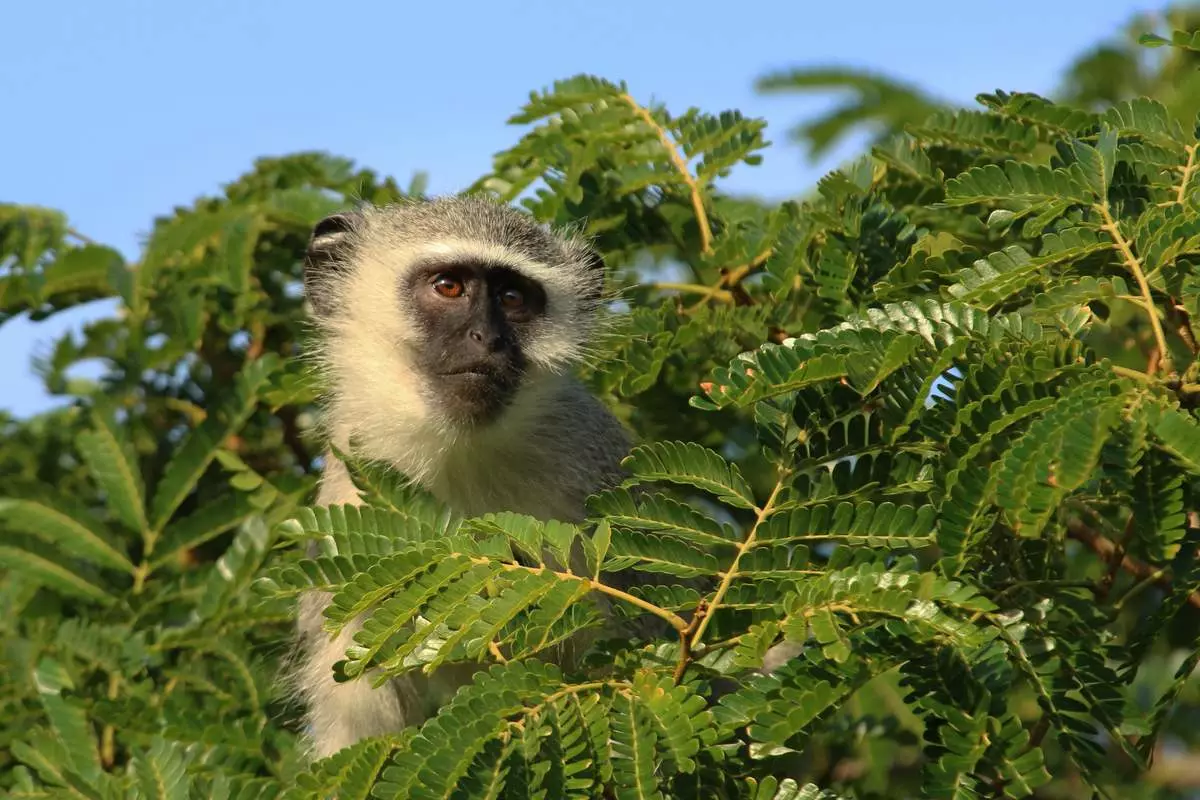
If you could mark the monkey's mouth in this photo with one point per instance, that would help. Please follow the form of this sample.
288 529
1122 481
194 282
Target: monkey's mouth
477 373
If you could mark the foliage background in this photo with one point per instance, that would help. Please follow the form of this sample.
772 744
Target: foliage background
138 517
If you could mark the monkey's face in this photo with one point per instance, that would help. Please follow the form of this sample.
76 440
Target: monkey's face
445 316
474 322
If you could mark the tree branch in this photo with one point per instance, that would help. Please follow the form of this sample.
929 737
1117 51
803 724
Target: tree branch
1106 549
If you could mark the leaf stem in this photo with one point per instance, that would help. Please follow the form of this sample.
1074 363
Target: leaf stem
685 640
139 577
745 546
735 275
80 236
681 166
1110 226
1188 168
108 747
715 292
1137 375
674 620
732 278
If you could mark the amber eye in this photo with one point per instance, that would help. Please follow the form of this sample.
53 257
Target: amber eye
512 298
448 286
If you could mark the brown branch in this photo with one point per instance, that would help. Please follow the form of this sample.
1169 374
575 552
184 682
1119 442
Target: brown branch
778 335
685 640
1114 562
1183 325
257 343
1039 732
1106 549
1153 361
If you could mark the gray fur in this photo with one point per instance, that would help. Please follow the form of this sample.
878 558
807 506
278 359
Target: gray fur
552 447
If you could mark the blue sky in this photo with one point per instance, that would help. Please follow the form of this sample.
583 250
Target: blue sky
117 111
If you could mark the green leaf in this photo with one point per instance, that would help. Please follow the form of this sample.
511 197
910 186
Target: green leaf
70 529
692 465
161 772
1179 434
864 524
238 242
1022 183
198 450
115 467
202 525
70 724
81 269
1181 39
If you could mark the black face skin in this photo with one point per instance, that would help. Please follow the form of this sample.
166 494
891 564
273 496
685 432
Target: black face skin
474 318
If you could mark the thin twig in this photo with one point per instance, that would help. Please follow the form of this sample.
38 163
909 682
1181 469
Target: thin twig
731 280
735 275
685 640
715 292
1183 325
1114 562
1038 733
681 166
80 236
1135 266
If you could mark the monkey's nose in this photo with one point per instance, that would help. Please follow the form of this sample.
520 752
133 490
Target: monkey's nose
488 340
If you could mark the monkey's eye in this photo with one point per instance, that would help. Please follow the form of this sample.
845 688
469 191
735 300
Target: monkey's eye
448 286
512 298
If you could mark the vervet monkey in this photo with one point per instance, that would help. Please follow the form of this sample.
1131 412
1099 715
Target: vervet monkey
447 332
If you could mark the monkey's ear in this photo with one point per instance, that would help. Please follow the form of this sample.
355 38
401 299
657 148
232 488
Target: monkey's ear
327 258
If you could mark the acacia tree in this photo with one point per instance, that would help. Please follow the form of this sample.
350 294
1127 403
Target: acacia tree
934 427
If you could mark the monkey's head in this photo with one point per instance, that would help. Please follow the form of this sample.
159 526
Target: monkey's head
448 313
